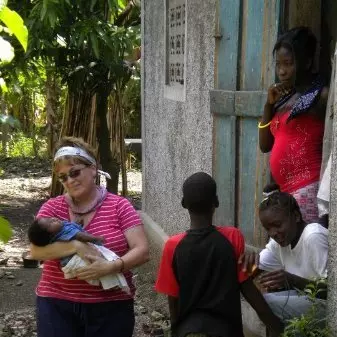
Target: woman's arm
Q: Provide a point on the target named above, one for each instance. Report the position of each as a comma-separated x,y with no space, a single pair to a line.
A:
59,250
266,139
297,281
53,251
138,253
321,106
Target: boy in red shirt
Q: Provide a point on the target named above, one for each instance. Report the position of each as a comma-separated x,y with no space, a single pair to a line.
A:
199,272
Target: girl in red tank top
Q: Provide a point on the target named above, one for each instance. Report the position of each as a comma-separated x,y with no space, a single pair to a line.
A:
292,125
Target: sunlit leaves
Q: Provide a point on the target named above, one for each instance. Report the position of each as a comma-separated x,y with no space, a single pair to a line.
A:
15,24
5,230
6,51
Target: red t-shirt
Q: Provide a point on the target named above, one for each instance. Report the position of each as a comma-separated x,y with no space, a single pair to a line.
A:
113,218
296,156
166,282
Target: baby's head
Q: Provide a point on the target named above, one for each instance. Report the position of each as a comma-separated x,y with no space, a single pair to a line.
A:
42,230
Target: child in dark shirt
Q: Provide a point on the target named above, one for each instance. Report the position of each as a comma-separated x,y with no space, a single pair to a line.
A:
200,273
44,231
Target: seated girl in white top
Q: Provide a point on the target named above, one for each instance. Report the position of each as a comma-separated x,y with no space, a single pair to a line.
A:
296,254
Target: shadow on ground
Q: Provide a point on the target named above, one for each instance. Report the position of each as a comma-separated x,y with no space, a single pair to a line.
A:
19,290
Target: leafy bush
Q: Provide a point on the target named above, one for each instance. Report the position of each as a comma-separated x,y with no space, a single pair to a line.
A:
20,145
5,230
309,325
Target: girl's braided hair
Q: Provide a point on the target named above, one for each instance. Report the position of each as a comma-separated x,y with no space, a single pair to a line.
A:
274,198
300,41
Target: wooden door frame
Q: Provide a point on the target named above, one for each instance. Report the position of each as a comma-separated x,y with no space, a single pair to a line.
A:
232,99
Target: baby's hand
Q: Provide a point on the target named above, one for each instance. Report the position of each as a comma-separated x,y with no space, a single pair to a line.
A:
99,240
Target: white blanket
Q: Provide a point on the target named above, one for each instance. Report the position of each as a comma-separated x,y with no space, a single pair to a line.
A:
108,281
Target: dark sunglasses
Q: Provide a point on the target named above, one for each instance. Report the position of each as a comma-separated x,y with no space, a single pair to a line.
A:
72,174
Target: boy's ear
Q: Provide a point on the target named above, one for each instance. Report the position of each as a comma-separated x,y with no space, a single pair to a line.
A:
183,203
216,202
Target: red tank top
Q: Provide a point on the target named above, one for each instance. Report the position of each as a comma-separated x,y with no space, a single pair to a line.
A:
296,156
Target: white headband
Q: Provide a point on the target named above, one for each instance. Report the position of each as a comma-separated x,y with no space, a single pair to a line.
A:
76,151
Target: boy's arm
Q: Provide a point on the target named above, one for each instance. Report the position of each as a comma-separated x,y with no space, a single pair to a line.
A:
256,300
86,237
173,307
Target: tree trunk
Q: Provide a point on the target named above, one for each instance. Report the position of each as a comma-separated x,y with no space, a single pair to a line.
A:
108,161
51,110
33,133
79,120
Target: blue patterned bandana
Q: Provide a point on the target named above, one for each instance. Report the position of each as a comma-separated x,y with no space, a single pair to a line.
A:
304,102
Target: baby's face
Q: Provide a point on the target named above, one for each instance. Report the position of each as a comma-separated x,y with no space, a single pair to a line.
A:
52,225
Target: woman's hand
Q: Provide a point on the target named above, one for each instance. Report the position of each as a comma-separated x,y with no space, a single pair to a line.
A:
86,249
274,280
249,262
98,268
276,91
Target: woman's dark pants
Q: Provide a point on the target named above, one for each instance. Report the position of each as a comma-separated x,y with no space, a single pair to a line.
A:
61,318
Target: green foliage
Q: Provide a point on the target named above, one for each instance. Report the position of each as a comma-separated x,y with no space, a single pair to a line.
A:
309,325
82,38
5,230
23,146
15,25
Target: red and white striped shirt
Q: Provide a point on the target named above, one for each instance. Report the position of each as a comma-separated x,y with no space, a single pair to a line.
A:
114,217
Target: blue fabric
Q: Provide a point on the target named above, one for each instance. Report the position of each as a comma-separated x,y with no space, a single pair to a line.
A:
304,102
56,318
68,231
290,304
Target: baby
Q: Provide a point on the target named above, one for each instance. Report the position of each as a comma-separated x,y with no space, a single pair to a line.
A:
44,231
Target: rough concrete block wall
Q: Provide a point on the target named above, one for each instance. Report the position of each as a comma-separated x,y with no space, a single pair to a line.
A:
146,275
177,136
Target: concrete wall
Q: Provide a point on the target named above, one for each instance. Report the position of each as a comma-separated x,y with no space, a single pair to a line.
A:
177,136
332,279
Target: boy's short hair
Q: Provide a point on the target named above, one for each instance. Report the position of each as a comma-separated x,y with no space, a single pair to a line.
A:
199,193
38,235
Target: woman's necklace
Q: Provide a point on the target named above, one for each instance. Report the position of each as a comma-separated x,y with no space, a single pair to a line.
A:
79,212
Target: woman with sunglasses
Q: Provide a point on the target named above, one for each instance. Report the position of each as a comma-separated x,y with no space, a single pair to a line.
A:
73,307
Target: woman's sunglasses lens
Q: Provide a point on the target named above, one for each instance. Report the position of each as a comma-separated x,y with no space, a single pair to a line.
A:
71,174
74,173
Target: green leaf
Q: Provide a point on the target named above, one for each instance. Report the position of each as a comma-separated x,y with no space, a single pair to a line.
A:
5,230
92,5
3,85
121,4
52,18
94,43
3,4
15,24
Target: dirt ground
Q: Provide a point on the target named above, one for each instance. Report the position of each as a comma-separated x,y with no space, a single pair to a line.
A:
24,185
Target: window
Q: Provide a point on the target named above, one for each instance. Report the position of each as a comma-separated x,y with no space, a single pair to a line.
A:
175,49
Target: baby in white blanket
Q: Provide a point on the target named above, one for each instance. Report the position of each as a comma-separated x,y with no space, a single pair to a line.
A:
44,231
